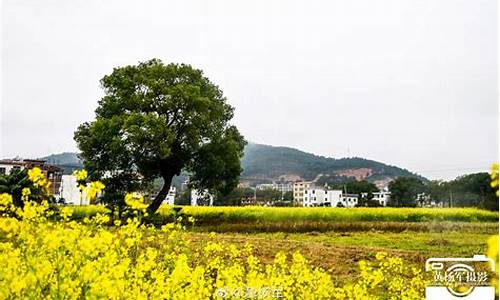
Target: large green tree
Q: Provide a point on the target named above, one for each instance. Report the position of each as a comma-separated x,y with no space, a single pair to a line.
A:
404,191
156,120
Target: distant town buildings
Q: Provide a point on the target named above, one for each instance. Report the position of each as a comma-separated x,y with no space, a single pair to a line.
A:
282,187
305,193
264,186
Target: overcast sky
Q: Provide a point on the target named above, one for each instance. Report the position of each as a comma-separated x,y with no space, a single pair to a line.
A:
409,83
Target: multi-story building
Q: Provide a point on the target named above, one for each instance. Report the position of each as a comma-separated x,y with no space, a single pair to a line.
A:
51,172
298,191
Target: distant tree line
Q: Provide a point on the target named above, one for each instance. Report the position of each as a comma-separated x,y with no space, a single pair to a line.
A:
473,190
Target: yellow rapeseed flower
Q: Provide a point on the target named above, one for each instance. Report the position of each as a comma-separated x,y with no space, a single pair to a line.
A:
35,175
81,175
136,201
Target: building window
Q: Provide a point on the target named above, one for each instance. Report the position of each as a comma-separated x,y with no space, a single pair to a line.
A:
2,170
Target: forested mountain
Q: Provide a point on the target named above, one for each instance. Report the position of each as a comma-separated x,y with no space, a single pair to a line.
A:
263,162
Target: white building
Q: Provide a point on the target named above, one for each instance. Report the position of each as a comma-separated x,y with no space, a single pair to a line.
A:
382,197
349,200
170,198
70,191
201,195
334,197
315,196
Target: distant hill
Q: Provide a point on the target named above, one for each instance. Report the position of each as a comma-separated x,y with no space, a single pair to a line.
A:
267,163
264,163
69,161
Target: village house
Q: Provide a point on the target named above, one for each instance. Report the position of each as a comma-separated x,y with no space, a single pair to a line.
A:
51,172
317,196
382,197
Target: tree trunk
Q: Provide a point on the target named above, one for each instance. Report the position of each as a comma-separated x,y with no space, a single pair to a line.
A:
153,207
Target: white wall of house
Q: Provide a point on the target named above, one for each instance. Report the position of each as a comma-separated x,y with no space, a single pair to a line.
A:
170,198
334,197
70,191
382,197
349,200
196,195
315,196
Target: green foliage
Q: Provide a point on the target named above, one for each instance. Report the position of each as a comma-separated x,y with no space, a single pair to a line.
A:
468,190
235,197
264,196
404,191
183,197
288,196
357,187
156,120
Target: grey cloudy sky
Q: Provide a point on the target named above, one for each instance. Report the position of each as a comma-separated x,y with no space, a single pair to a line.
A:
409,83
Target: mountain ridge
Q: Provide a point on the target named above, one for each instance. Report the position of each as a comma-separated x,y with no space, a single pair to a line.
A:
267,162
264,164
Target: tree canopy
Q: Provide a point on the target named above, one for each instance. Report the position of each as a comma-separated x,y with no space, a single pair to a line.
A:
467,190
404,191
156,120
